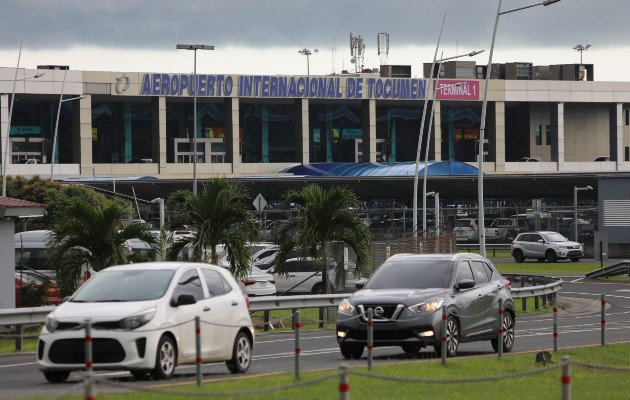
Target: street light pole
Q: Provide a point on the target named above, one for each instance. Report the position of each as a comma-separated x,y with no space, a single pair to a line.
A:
575,205
194,48
306,52
8,142
54,146
482,128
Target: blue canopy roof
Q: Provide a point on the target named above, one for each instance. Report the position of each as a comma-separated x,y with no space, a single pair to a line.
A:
381,169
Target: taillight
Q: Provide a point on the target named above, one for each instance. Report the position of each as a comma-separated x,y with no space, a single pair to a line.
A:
514,241
508,285
246,299
248,282
273,281
472,228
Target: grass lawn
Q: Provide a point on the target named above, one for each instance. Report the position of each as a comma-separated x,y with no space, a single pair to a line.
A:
516,377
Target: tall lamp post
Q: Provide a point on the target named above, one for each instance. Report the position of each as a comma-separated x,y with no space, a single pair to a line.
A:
481,223
306,52
581,49
575,205
194,48
424,111
54,146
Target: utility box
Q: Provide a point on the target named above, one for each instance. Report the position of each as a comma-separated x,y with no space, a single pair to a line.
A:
600,246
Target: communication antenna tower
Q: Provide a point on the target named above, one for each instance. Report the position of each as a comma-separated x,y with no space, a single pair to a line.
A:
383,47
357,50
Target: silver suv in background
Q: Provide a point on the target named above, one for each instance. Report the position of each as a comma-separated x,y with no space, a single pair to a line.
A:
545,245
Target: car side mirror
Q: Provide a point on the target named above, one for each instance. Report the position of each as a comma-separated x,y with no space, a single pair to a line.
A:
465,284
183,300
541,241
360,283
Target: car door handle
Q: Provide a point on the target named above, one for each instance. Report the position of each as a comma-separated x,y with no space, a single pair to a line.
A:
235,303
206,308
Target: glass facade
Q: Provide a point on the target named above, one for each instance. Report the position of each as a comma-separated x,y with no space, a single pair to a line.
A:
460,132
121,131
336,131
267,133
397,129
211,131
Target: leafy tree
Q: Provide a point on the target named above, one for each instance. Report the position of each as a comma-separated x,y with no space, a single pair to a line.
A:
322,217
219,215
94,236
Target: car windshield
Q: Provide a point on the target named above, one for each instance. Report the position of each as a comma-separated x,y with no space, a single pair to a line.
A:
463,223
412,274
554,237
125,285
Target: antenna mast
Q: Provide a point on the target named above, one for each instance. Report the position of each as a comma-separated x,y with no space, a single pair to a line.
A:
383,47
357,50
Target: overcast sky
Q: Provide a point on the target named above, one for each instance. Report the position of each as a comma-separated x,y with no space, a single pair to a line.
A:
264,36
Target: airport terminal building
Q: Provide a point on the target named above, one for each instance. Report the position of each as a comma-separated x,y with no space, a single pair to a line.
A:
70,123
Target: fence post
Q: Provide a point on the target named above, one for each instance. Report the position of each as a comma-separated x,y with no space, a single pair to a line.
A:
198,349
296,327
89,377
19,331
603,313
344,382
370,337
266,323
501,332
555,324
566,378
444,339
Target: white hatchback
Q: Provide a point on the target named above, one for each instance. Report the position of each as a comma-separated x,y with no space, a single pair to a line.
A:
142,319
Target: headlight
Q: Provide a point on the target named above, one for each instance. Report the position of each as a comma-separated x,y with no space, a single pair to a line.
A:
345,307
137,320
51,324
429,305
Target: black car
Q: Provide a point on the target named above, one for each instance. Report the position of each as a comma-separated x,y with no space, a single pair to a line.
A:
407,293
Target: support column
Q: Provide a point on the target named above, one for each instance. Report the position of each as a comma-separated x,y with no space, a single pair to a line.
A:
437,129
368,110
302,131
4,117
559,142
498,147
233,134
84,145
158,132
616,136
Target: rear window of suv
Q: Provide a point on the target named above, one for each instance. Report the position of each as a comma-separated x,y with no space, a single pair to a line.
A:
463,223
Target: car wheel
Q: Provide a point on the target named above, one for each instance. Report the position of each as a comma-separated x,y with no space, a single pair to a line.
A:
317,288
412,348
508,333
541,260
452,338
351,352
56,376
241,354
165,359
551,256
518,256
139,374
575,259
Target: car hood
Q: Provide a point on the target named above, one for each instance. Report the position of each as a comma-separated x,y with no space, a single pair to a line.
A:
567,243
400,296
109,311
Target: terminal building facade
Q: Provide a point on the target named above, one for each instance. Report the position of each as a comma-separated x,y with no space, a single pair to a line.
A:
119,124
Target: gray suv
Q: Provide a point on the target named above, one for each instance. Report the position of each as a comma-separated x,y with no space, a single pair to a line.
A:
545,245
406,295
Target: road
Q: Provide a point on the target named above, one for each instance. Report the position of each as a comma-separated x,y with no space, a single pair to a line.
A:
578,325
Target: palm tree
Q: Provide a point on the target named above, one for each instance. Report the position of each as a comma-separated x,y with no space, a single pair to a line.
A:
219,215
322,218
93,236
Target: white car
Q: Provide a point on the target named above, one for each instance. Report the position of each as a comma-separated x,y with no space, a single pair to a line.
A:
142,319
302,275
258,283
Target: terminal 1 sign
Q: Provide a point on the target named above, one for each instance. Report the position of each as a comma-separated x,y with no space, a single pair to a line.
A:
313,87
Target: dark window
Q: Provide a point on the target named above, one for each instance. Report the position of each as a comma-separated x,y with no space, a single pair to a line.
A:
464,272
412,274
481,276
539,135
189,283
214,282
548,135
627,116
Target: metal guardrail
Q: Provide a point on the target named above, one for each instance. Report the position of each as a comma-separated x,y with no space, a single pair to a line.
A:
490,247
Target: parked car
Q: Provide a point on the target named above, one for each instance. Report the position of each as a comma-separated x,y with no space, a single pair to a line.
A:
25,280
467,230
407,293
545,245
143,319
498,230
258,283
302,275
529,159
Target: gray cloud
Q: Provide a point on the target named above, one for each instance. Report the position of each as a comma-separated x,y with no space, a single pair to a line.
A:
159,24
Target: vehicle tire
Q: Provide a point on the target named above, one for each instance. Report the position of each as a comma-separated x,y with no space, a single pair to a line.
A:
508,335
575,259
412,348
452,338
139,374
317,288
351,352
518,256
541,260
241,354
56,376
551,256
165,359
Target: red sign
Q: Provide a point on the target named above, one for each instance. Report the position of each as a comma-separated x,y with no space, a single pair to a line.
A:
451,89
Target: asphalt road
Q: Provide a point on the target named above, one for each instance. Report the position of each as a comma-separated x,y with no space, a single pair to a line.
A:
578,325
